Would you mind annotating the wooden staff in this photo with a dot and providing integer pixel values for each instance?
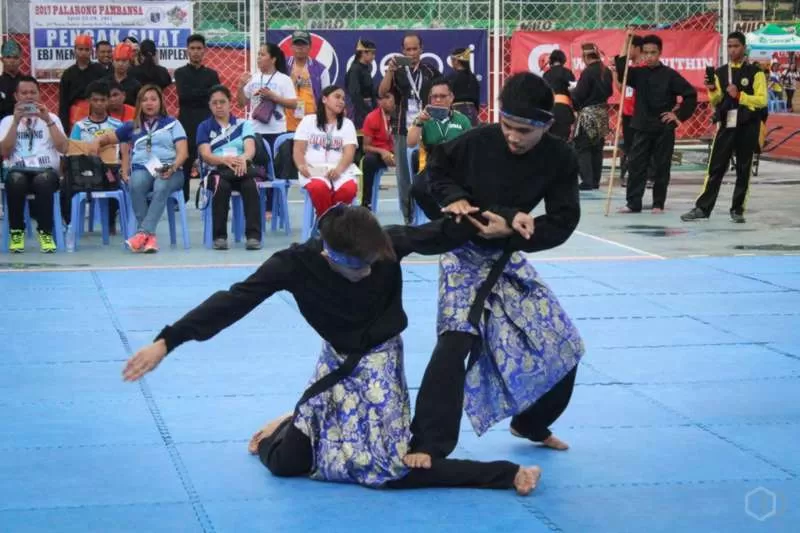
(615, 148)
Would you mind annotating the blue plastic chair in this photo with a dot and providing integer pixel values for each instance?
(419, 215)
(281, 186)
(99, 207)
(58, 225)
(175, 198)
(376, 189)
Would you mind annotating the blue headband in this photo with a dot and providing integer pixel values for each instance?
(344, 260)
(542, 118)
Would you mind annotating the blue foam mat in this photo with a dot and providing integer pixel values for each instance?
(686, 402)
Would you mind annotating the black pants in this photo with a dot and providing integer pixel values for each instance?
(42, 185)
(564, 118)
(590, 160)
(220, 205)
(288, 453)
(270, 138)
(650, 148)
(370, 166)
(627, 142)
(789, 98)
(742, 141)
(440, 400)
(421, 193)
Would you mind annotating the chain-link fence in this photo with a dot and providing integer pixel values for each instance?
(226, 25)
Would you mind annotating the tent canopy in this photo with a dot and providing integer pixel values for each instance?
(773, 38)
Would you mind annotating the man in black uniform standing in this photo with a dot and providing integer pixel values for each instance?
(657, 89)
(193, 82)
(8, 80)
(738, 112)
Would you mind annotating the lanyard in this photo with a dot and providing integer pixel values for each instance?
(415, 82)
(386, 123)
(30, 129)
(148, 128)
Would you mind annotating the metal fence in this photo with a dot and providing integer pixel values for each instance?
(232, 25)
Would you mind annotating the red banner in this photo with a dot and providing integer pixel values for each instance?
(688, 52)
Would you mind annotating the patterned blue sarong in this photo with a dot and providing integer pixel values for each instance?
(528, 343)
(360, 428)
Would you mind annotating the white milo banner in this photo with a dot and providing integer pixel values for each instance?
(54, 26)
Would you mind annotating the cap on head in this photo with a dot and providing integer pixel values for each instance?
(84, 41)
(301, 37)
(367, 46)
(11, 49)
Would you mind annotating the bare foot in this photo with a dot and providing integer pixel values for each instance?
(657, 211)
(555, 443)
(550, 442)
(526, 479)
(417, 460)
(264, 433)
(626, 211)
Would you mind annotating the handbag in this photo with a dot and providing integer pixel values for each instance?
(265, 109)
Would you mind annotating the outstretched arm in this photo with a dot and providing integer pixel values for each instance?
(219, 311)
(433, 238)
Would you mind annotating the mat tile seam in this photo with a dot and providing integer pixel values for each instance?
(172, 450)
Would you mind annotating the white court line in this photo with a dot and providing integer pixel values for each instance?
(615, 243)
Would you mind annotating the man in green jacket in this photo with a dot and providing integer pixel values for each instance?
(438, 123)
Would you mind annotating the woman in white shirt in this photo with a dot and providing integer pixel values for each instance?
(272, 86)
(324, 146)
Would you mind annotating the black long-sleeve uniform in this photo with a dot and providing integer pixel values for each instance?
(594, 88)
(559, 79)
(72, 87)
(361, 92)
(8, 86)
(353, 318)
(477, 166)
(193, 84)
(151, 75)
(466, 94)
(657, 91)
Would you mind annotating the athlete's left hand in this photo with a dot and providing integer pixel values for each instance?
(523, 224)
(495, 228)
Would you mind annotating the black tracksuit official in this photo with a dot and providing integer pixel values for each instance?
(193, 84)
(657, 91)
(738, 123)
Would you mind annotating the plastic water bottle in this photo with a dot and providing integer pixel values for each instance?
(70, 238)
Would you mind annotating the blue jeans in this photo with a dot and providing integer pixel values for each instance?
(141, 184)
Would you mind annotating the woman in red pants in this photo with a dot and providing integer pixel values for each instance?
(324, 146)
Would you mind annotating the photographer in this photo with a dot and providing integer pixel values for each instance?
(737, 113)
(410, 81)
(32, 144)
(438, 123)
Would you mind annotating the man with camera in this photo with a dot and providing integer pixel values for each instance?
(438, 123)
(737, 113)
(31, 146)
(410, 81)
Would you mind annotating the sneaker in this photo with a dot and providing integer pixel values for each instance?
(17, 244)
(253, 244)
(46, 243)
(737, 217)
(137, 242)
(151, 246)
(220, 244)
(694, 214)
